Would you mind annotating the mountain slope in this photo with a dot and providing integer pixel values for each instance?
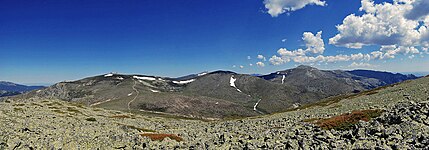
(386, 77)
(219, 94)
(32, 124)
(10, 89)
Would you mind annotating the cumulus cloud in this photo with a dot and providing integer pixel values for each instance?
(360, 65)
(261, 57)
(384, 24)
(260, 64)
(248, 57)
(314, 43)
(241, 67)
(420, 9)
(399, 28)
(277, 7)
(275, 60)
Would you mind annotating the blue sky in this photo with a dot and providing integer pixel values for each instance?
(48, 41)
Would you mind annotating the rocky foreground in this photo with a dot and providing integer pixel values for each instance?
(54, 124)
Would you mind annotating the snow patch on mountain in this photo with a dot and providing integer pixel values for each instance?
(108, 75)
(283, 79)
(203, 73)
(232, 83)
(154, 91)
(184, 82)
(144, 78)
(256, 105)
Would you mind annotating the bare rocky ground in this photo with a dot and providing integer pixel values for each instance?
(55, 124)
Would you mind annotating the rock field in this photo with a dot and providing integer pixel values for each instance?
(55, 124)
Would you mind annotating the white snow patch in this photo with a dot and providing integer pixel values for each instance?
(184, 82)
(256, 105)
(108, 75)
(154, 91)
(98, 103)
(144, 78)
(119, 78)
(232, 83)
(217, 103)
(283, 79)
(201, 74)
(130, 94)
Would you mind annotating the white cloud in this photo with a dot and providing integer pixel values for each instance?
(250, 65)
(314, 43)
(241, 67)
(284, 40)
(275, 60)
(285, 52)
(260, 64)
(420, 9)
(248, 57)
(277, 7)
(233, 66)
(383, 24)
(261, 57)
(361, 65)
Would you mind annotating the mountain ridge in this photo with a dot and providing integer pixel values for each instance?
(217, 94)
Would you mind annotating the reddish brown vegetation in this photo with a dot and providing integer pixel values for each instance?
(120, 116)
(345, 121)
(160, 137)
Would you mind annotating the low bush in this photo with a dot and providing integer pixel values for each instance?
(346, 121)
(160, 137)
(90, 119)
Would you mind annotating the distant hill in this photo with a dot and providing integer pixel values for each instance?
(218, 94)
(386, 77)
(10, 89)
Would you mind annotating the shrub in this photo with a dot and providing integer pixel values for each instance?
(120, 116)
(346, 121)
(90, 119)
(160, 137)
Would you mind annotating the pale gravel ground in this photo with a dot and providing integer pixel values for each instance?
(35, 125)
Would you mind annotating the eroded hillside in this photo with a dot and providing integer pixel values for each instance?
(39, 124)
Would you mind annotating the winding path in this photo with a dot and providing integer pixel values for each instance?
(137, 94)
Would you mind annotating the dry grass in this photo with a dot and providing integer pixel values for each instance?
(137, 128)
(335, 99)
(73, 109)
(58, 111)
(345, 121)
(160, 137)
(120, 116)
(54, 103)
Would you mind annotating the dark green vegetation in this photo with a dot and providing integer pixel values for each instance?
(219, 94)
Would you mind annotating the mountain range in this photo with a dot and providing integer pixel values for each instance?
(218, 94)
(10, 89)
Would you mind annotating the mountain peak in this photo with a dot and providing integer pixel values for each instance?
(305, 67)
